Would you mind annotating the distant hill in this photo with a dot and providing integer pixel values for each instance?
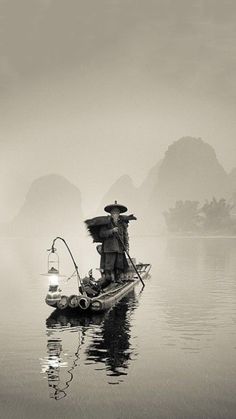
(135, 198)
(146, 188)
(122, 191)
(144, 193)
(189, 171)
(52, 207)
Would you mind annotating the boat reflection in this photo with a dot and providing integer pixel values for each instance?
(103, 338)
(111, 342)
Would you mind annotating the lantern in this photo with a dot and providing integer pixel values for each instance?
(54, 297)
(53, 269)
(54, 293)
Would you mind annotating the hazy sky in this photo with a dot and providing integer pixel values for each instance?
(95, 89)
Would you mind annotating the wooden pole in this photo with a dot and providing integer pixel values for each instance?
(139, 276)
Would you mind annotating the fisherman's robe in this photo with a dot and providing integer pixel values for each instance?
(113, 254)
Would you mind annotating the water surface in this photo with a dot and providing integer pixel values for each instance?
(165, 352)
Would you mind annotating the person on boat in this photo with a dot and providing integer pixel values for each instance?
(115, 241)
(112, 232)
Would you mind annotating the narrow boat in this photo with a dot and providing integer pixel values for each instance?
(98, 299)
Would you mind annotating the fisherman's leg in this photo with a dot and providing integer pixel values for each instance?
(119, 268)
(118, 275)
(109, 276)
(110, 265)
(105, 279)
(122, 267)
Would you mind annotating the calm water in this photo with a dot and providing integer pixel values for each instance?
(166, 352)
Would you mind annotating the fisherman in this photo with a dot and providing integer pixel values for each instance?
(115, 242)
(111, 232)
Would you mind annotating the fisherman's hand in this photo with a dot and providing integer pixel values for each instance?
(115, 230)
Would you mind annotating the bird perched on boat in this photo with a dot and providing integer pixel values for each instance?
(112, 232)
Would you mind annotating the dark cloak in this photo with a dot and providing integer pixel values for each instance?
(93, 225)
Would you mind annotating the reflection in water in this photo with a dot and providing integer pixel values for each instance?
(111, 343)
(55, 361)
(108, 342)
(54, 349)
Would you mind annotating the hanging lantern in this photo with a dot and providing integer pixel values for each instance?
(54, 293)
(53, 269)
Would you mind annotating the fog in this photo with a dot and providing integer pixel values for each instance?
(95, 90)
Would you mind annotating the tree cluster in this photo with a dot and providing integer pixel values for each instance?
(214, 217)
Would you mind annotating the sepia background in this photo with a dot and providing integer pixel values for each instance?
(127, 100)
(95, 90)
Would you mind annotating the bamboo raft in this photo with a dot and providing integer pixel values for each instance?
(106, 298)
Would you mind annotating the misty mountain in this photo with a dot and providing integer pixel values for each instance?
(123, 191)
(146, 188)
(52, 207)
(135, 198)
(189, 171)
